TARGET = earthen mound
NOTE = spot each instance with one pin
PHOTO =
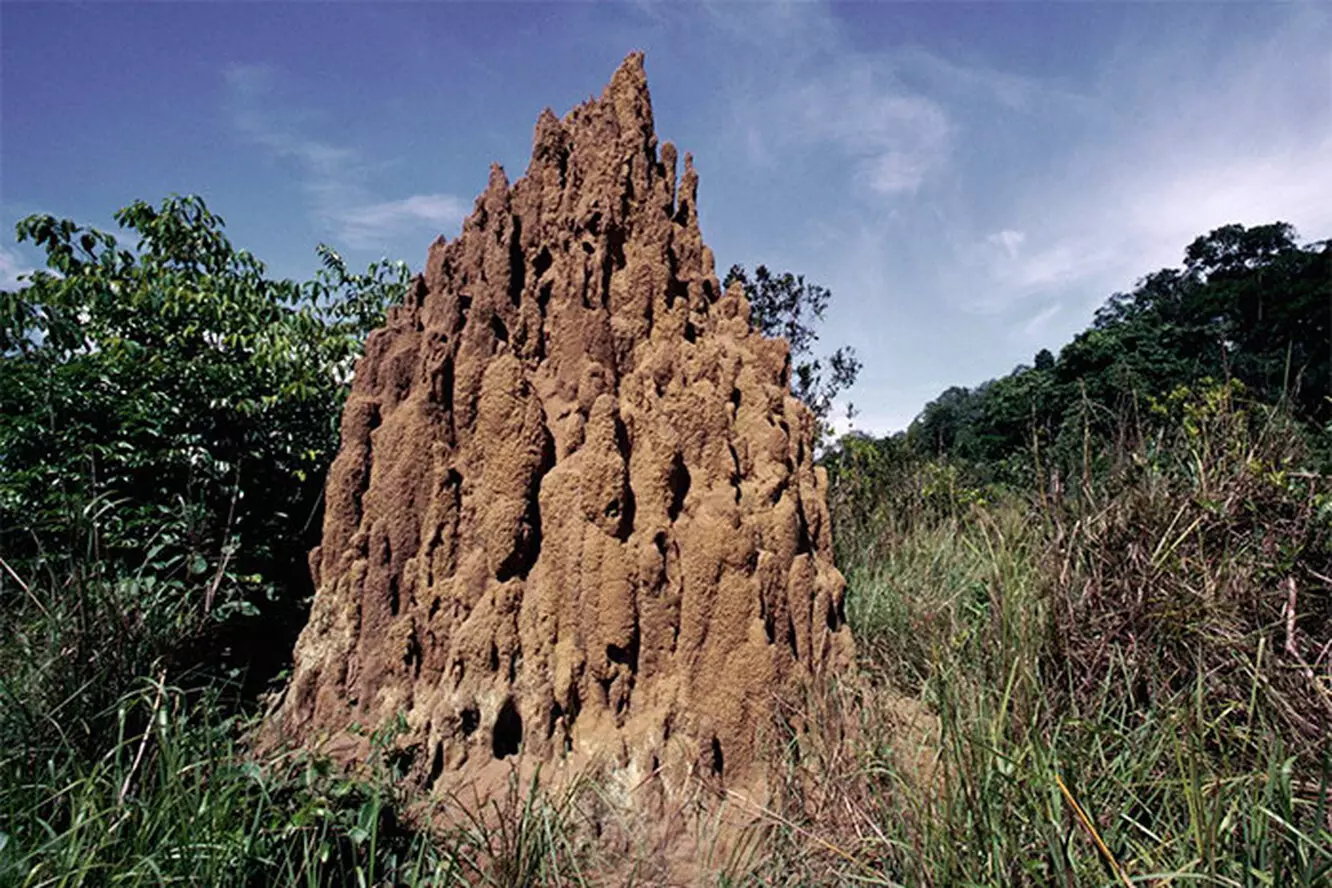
(575, 514)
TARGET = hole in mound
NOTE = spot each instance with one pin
(468, 720)
(508, 734)
(497, 327)
(624, 656)
(556, 713)
(833, 617)
(717, 762)
(682, 212)
(690, 332)
(436, 765)
(543, 262)
(411, 655)
(679, 483)
(494, 657)
(441, 385)
(803, 542)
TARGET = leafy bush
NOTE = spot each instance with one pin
(179, 395)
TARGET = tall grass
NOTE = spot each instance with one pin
(123, 760)
(1132, 684)
(1125, 683)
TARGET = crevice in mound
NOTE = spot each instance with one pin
(527, 547)
(834, 616)
(517, 263)
(441, 386)
(627, 655)
(542, 263)
(803, 541)
(411, 656)
(682, 212)
(678, 480)
(469, 720)
(556, 713)
(626, 506)
(436, 765)
(507, 737)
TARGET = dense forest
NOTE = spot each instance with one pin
(1092, 598)
(1249, 306)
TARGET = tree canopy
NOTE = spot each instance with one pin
(1251, 305)
(176, 392)
(786, 305)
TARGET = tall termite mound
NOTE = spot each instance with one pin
(575, 515)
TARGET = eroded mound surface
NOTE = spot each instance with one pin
(575, 512)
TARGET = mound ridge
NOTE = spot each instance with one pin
(575, 513)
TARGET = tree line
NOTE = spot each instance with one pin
(1250, 308)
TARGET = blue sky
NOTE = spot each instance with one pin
(970, 180)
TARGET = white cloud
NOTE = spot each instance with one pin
(366, 225)
(1035, 198)
(1245, 142)
(1009, 239)
(895, 138)
(334, 177)
(809, 90)
(11, 267)
(1036, 326)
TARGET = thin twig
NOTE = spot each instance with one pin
(226, 550)
(24, 586)
(143, 741)
(1091, 828)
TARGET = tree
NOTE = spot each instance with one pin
(179, 391)
(785, 305)
(1248, 304)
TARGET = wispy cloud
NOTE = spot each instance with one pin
(1246, 141)
(895, 138)
(967, 216)
(1009, 239)
(11, 267)
(336, 178)
(362, 225)
(817, 94)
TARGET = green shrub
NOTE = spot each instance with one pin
(180, 400)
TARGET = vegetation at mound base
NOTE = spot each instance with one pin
(1093, 601)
